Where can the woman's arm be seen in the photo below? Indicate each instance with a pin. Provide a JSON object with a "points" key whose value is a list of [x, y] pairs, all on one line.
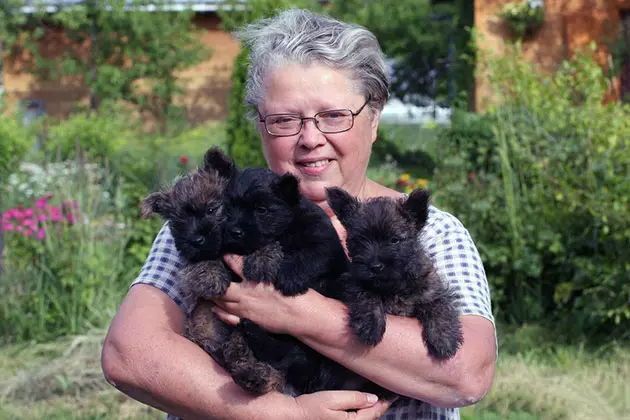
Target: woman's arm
{"points": [[145, 356], [400, 362]]}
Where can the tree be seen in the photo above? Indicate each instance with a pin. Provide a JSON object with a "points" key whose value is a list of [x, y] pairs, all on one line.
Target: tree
{"points": [[135, 49], [424, 40]]}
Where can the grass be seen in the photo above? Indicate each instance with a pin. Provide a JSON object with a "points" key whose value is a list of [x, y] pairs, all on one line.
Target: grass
{"points": [[63, 380]]}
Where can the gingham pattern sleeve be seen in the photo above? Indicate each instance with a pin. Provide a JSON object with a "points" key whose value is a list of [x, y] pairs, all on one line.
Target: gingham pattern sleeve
{"points": [[161, 268], [457, 261]]}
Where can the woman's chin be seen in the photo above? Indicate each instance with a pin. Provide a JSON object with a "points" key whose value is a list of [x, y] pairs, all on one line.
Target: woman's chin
{"points": [[314, 191]]}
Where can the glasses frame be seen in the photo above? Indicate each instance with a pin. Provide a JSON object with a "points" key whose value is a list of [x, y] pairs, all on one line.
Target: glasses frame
{"points": [[314, 118]]}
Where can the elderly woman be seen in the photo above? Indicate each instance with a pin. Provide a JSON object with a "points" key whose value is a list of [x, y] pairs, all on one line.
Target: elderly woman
{"points": [[326, 81]]}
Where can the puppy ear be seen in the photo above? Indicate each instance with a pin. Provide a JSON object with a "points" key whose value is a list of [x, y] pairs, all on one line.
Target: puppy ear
{"points": [[287, 187], [417, 207], [215, 159], [343, 204], [157, 202]]}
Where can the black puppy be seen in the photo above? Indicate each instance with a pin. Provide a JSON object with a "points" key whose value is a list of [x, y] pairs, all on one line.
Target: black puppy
{"points": [[390, 272], [194, 208], [263, 209]]}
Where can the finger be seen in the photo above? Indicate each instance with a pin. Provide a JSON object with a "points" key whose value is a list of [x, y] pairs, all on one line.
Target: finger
{"points": [[376, 411], [349, 400], [233, 293], [235, 262], [225, 316]]}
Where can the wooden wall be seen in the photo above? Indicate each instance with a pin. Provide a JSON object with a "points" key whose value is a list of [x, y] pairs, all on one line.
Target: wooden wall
{"points": [[569, 25], [207, 84]]}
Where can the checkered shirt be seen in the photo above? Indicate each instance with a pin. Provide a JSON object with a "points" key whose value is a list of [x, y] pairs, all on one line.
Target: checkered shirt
{"points": [[447, 242]]}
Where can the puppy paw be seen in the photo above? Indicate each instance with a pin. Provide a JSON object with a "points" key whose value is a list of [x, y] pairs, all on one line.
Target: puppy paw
{"points": [[206, 279], [264, 264], [258, 378], [368, 326], [290, 287], [442, 343]]}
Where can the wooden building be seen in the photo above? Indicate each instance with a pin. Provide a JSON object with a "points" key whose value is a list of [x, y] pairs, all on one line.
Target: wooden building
{"points": [[568, 25], [207, 84]]}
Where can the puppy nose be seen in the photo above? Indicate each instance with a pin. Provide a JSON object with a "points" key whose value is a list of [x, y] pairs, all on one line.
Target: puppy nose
{"points": [[236, 232], [199, 240], [377, 267]]}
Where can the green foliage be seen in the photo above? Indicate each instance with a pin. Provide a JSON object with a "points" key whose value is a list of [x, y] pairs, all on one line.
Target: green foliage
{"points": [[102, 136], [244, 143], [542, 182], [427, 40], [131, 55], [523, 16], [15, 141]]}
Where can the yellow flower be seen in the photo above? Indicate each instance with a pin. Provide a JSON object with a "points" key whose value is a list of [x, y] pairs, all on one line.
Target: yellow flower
{"points": [[404, 177], [422, 183]]}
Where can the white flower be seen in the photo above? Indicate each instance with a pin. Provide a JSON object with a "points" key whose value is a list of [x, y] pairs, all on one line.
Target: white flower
{"points": [[536, 3]]}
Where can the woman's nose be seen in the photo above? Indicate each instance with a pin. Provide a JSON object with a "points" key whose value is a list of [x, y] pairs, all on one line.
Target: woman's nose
{"points": [[310, 136]]}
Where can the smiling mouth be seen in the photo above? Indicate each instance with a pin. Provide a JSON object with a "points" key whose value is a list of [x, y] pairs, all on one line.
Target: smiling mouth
{"points": [[316, 164]]}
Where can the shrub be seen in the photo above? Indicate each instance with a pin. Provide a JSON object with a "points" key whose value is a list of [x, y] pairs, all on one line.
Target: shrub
{"points": [[15, 142], [546, 194]]}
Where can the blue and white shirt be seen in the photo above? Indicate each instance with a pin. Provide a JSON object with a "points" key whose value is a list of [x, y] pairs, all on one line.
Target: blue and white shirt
{"points": [[445, 239]]}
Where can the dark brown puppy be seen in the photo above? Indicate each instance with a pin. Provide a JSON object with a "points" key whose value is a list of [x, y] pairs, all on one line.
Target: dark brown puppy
{"points": [[390, 272]]}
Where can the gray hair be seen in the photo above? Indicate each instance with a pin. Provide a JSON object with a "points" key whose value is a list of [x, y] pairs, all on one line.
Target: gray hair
{"points": [[300, 36]]}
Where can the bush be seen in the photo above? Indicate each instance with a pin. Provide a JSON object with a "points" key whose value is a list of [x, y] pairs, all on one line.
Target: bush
{"points": [[15, 142], [244, 142], [542, 182]]}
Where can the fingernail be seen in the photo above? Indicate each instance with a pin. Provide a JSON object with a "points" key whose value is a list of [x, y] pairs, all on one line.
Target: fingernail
{"points": [[372, 398]]}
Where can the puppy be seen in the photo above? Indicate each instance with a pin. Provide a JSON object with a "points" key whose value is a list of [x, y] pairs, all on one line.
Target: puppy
{"points": [[390, 273], [264, 209], [194, 209]]}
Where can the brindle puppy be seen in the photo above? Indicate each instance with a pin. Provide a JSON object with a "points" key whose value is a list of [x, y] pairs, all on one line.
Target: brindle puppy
{"points": [[390, 272]]}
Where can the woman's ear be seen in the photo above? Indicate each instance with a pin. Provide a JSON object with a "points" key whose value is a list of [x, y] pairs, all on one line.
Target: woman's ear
{"points": [[376, 118]]}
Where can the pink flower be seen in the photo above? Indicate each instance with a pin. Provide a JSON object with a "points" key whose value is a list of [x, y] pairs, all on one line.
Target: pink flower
{"points": [[183, 160], [7, 227], [41, 203], [28, 232], [41, 234]]}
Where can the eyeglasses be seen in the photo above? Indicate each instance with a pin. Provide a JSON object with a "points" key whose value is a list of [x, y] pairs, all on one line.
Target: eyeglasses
{"points": [[328, 122]]}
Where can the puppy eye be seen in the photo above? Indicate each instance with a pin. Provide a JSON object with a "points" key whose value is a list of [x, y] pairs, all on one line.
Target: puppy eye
{"points": [[210, 210], [262, 210], [394, 240]]}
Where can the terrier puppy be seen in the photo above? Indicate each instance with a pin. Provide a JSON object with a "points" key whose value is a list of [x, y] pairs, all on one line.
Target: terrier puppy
{"points": [[263, 209], [193, 206], [390, 273], [194, 209]]}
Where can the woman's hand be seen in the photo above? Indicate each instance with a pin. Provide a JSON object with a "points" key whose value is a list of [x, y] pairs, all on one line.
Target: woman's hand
{"points": [[334, 405], [258, 302]]}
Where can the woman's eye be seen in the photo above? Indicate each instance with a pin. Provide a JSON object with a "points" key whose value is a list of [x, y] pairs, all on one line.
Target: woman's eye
{"points": [[262, 210]]}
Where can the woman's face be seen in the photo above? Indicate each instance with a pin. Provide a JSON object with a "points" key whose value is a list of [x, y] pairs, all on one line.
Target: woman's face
{"points": [[319, 160]]}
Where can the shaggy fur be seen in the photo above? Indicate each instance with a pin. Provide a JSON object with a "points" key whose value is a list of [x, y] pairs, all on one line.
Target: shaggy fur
{"points": [[194, 209], [264, 209], [390, 273]]}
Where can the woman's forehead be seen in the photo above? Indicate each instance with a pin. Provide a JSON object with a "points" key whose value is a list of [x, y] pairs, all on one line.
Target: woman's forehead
{"points": [[298, 86]]}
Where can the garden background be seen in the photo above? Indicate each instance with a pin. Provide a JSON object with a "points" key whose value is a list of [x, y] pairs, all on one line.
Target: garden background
{"points": [[541, 180]]}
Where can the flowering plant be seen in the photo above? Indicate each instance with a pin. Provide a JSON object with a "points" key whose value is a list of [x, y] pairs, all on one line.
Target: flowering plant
{"points": [[33, 221], [524, 16], [407, 184]]}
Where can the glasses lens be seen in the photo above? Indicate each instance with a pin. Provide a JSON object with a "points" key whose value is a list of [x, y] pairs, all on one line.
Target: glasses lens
{"points": [[282, 125], [334, 121]]}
